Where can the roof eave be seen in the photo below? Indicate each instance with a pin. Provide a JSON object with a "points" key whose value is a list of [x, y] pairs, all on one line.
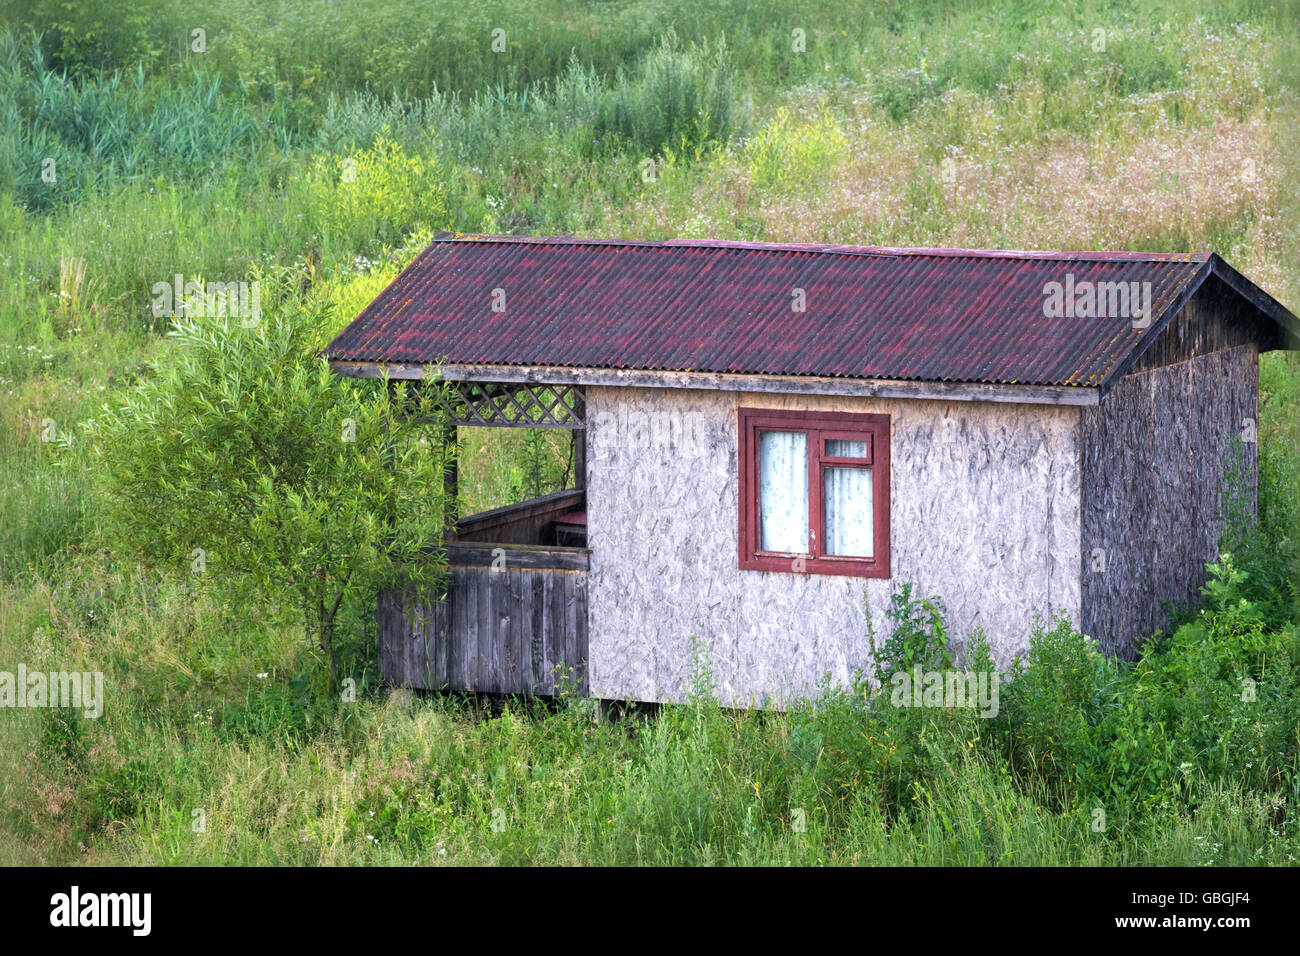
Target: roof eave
{"points": [[1261, 300], [1214, 265], [1007, 392]]}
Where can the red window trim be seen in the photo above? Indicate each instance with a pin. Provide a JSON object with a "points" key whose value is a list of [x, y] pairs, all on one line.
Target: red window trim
{"points": [[818, 426]]}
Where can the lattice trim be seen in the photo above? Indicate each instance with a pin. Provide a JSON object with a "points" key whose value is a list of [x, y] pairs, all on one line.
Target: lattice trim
{"points": [[516, 405]]}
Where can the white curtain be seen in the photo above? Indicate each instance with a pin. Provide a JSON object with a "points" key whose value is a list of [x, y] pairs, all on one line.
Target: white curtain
{"points": [[846, 499], [783, 491], [845, 448]]}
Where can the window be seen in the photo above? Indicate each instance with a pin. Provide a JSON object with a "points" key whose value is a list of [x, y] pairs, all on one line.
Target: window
{"points": [[814, 492]]}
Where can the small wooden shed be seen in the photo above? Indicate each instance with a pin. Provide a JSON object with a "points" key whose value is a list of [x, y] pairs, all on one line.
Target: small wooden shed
{"points": [[771, 438]]}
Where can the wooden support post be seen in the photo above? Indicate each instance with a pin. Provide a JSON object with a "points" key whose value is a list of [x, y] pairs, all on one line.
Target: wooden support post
{"points": [[450, 439], [389, 451], [580, 446]]}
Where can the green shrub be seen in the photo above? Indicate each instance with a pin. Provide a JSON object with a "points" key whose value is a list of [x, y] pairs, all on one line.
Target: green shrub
{"points": [[1053, 702], [244, 460], [788, 154], [918, 636], [675, 97], [1224, 687], [376, 198], [94, 35], [1214, 701]]}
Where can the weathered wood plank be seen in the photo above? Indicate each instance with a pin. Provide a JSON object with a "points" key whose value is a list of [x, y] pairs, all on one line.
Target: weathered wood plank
{"points": [[499, 615], [486, 633], [435, 645], [389, 636], [412, 627], [577, 622], [476, 554], [536, 675], [545, 506], [568, 604], [416, 625], [466, 640], [515, 643], [555, 629], [447, 652], [580, 446]]}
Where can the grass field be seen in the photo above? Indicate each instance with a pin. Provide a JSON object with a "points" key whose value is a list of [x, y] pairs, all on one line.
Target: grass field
{"points": [[318, 146]]}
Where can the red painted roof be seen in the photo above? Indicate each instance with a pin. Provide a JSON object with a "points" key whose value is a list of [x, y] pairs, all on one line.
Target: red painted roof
{"points": [[950, 315]]}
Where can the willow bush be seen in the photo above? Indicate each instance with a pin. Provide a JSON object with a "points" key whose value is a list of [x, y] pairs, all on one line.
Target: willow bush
{"points": [[243, 461]]}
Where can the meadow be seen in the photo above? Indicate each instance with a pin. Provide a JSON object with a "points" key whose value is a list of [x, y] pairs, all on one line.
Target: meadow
{"points": [[317, 147]]}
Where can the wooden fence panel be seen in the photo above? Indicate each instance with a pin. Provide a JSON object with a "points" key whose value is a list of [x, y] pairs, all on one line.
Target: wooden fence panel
{"points": [[500, 629]]}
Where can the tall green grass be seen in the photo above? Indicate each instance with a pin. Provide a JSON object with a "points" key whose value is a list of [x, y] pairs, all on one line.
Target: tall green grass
{"points": [[63, 138], [916, 49], [209, 712]]}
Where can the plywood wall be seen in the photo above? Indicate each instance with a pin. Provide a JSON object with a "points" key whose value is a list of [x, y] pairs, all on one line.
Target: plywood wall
{"points": [[985, 513], [1155, 455]]}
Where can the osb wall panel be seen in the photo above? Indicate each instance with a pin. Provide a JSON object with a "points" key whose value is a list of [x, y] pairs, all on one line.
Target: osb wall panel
{"points": [[985, 513], [1154, 458]]}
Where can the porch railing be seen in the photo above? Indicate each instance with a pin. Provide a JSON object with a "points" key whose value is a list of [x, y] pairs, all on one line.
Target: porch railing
{"points": [[514, 616]]}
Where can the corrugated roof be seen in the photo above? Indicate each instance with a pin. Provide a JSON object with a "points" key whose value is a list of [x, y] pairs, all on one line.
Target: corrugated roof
{"points": [[947, 315]]}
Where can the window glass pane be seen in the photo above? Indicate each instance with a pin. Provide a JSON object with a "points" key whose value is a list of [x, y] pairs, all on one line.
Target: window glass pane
{"points": [[846, 499], [783, 491], [843, 448]]}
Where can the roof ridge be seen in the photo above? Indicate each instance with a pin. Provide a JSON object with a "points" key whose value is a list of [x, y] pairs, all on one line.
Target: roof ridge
{"points": [[881, 251]]}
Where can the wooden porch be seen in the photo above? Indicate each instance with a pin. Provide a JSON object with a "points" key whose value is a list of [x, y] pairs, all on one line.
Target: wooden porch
{"points": [[514, 616]]}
